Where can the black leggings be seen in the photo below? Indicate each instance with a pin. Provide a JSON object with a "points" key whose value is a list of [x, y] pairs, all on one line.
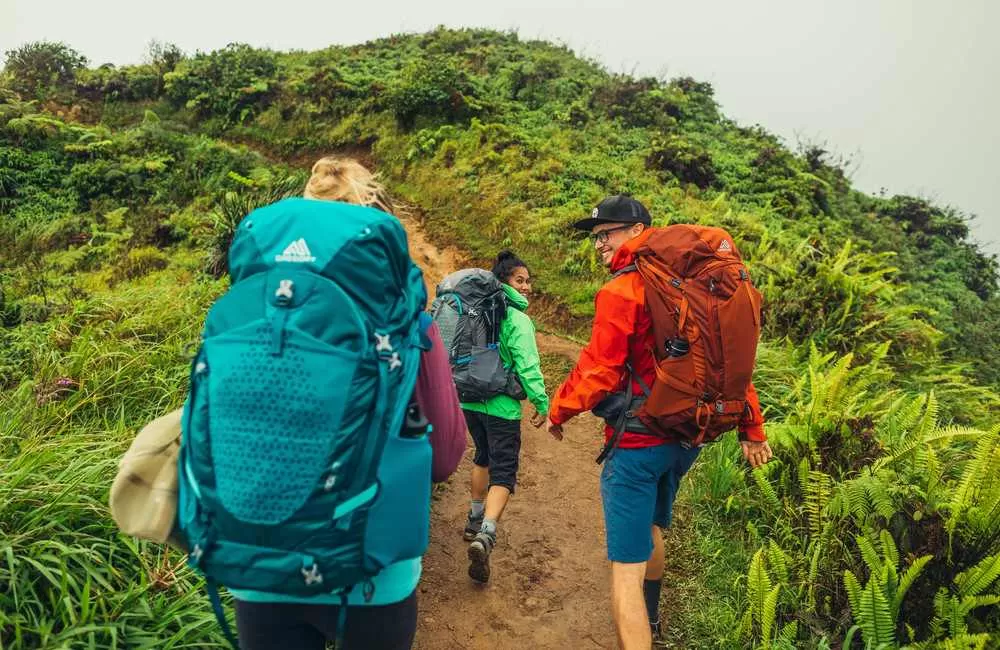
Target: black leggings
{"points": [[294, 626]]}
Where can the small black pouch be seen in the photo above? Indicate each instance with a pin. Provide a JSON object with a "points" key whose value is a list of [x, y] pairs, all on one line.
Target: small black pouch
{"points": [[610, 410]]}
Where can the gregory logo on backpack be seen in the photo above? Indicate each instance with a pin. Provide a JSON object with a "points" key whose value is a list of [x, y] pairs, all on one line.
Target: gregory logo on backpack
{"points": [[297, 251]]}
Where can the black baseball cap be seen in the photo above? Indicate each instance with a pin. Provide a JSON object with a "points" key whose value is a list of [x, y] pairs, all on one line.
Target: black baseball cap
{"points": [[620, 208]]}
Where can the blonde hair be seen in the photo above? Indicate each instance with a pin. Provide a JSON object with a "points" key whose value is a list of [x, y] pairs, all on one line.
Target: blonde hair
{"points": [[347, 180]]}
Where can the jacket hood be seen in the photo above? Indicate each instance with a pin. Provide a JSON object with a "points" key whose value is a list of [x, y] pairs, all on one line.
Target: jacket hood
{"points": [[626, 254], [514, 299]]}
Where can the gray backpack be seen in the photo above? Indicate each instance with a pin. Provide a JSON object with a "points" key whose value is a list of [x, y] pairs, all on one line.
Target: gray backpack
{"points": [[469, 306]]}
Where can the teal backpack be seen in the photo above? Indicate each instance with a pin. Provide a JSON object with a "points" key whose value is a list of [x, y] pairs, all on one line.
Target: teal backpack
{"points": [[303, 468]]}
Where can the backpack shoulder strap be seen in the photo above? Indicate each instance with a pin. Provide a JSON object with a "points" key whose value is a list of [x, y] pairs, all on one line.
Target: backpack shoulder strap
{"points": [[626, 269], [424, 327]]}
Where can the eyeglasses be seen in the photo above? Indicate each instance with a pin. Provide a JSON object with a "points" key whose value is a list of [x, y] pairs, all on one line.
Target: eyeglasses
{"points": [[603, 236]]}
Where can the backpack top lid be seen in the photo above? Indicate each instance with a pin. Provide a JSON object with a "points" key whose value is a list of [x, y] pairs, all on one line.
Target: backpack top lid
{"points": [[364, 250], [687, 248], [471, 285]]}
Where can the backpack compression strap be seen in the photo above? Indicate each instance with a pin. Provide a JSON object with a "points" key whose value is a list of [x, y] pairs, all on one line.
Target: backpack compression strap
{"points": [[220, 616]]}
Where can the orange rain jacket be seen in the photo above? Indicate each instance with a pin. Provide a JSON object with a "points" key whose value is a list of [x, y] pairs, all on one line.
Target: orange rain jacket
{"points": [[623, 332]]}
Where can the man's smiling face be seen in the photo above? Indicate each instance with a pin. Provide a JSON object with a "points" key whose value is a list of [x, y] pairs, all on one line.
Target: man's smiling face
{"points": [[609, 237]]}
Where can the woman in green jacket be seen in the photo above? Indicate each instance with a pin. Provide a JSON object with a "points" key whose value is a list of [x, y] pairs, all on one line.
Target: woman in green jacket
{"points": [[495, 425]]}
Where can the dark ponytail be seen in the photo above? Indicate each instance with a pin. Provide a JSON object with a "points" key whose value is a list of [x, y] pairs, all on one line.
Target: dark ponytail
{"points": [[505, 264]]}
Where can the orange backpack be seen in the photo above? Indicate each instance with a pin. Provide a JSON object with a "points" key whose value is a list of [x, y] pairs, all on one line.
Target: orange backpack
{"points": [[706, 323]]}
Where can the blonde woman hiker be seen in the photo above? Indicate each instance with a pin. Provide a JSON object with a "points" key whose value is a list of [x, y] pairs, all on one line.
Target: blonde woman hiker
{"points": [[321, 409]]}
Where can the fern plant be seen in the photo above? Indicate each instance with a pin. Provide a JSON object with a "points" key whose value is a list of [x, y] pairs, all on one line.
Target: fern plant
{"points": [[816, 489], [876, 605], [867, 495], [918, 471], [952, 608], [974, 509], [827, 406], [758, 626], [236, 205]]}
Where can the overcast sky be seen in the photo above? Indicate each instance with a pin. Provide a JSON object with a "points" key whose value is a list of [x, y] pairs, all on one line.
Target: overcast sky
{"points": [[909, 87]]}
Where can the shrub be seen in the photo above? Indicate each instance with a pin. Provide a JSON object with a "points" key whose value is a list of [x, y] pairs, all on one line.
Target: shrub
{"points": [[431, 87], [683, 159], [40, 69], [233, 83]]}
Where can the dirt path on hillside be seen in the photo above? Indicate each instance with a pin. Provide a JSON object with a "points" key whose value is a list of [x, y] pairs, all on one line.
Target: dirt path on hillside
{"points": [[549, 587]]}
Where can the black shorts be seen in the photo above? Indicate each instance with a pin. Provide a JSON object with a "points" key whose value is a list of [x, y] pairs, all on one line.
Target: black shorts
{"points": [[498, 446], [279, 626]]}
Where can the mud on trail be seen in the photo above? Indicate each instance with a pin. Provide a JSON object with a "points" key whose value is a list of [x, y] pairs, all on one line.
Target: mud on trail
{"points": [[549, 584]]}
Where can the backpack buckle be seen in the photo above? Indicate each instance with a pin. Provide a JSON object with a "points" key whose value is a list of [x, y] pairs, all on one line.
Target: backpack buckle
{"points": [[368, 590], [383, 344], [386, 352], [284, 294], [331, 480], [312, 576]]}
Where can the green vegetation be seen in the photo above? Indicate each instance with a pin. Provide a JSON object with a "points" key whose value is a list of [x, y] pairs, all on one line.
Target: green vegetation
{"points": [[877, 526]]}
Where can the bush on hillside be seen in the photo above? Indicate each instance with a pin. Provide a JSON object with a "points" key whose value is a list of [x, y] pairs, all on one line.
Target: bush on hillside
{"points": [[42, 69]]}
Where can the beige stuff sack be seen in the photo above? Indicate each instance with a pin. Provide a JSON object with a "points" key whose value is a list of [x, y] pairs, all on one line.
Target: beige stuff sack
{"points": [[144, 492]]}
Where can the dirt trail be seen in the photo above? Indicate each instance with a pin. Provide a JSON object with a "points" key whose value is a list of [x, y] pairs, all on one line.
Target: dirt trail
{"points": [[549, 587]]}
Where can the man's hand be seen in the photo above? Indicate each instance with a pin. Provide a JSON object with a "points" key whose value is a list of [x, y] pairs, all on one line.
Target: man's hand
{"points": [[555, 430], [756, 453], [537, 419]]}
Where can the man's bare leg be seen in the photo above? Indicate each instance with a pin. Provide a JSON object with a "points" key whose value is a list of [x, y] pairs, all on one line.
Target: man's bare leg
{"points": [[654, 568], [628, 607], [654, 579]]}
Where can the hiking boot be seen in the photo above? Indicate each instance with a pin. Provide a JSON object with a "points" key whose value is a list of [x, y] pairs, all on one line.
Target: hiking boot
{"points": [[479, 556], [472, 527]]}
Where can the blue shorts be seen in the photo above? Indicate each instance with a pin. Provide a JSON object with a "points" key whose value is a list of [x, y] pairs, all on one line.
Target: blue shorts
{"points": [[638, 487]]}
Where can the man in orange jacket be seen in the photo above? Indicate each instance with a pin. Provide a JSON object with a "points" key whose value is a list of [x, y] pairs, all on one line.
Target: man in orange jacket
{"points": [[640, 479]]}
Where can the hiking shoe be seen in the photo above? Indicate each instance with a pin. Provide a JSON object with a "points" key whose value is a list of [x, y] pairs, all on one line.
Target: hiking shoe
{"points": [[472, 527], [657, 633], [479, 556]]}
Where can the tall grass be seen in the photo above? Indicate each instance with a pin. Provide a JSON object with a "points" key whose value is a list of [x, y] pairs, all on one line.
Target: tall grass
{"points": [[68, 579]]}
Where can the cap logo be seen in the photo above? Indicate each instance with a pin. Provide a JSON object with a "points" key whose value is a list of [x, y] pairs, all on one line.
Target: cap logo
{"points": [[725, 246], [593, 215]]}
